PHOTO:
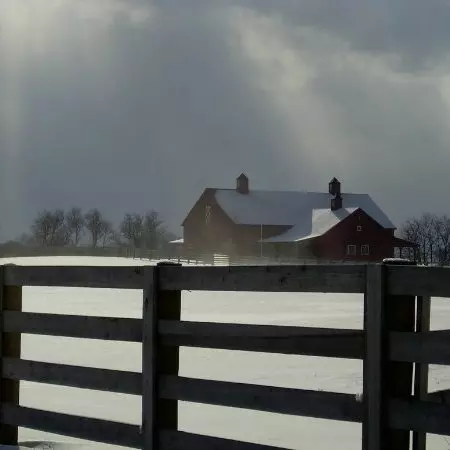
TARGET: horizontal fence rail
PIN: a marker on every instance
(427, 417)
(319, 404)
(432, 347)
(389, 346)
(346, 278)
(74, 376)
(334, 343)
(114, 277)
(75, 426)
(88, 327)
(419, 281)
(334, 279)
(178, 440)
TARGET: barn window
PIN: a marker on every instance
(365, 250)
(358, 228)
(351, 250)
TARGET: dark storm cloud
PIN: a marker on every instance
(414, 32)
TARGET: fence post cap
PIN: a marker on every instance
(399, 262)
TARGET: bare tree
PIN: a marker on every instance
(115, 238)
(131, 228)
(442, 236)
(59, 233)
(108, 233)
(75, 224)
(41, 228)
(49, 228)
(127, 229)
(431, 233)
(153, 230)
(411, 231)
(143, 231)
(96, 225)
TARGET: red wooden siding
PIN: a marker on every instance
(333, 244)
(203, 236)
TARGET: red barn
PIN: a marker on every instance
(321, 225)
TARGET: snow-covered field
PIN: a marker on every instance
(325, 310)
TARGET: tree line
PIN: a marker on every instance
(431, 233)
(74, 227)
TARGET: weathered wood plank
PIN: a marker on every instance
(326, 405)
(109, 277)
(400, 312)
(168, 307)
(149, 361)
(431, 347)
(424, 416)
(96, 430)
(11, 347)
(179, 440)
(105, 328)
(74, 376)
(423, 316)
(328, 342)
(419, 281)
(313, 278)
(374, 427)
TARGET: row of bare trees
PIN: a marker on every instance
(431, 232)
(75, 227)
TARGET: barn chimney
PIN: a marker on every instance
(242, 184)
(334, 188)
(336, 203)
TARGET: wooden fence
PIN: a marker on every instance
(394, 337)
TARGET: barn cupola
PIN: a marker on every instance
(334, 188)
(242, 184)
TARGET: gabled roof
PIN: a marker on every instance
(308, 213)
(322, 220)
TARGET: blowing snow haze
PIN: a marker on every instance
(131, 105)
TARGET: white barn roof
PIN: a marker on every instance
(308, 213)
(322, 221)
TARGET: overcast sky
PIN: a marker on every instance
(138, 104)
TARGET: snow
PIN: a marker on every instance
(322, 221)
(289, 208)
(324, 310)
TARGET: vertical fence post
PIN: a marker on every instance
(384, 379)
(168, 308)
(10, 299)
(423, 313)
(375, 418)
(400, 316)
(149, 360)
(157, 413)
